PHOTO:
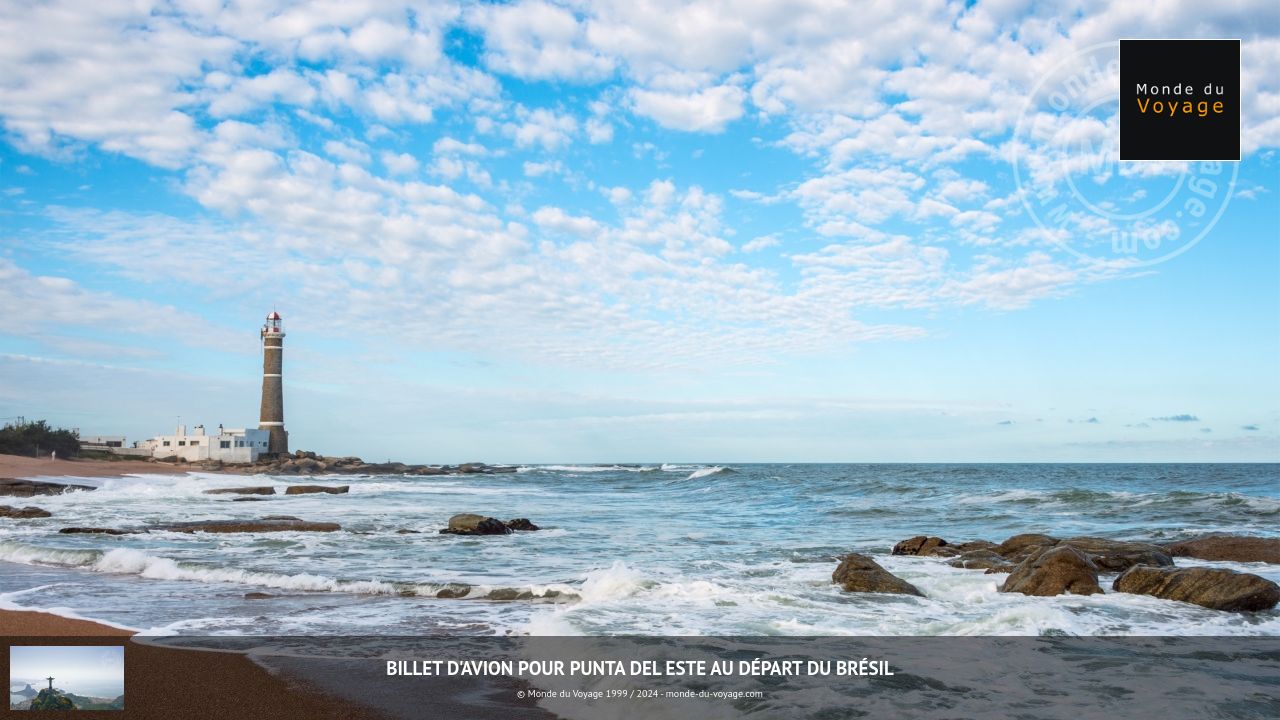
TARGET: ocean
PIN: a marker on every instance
(663, 549)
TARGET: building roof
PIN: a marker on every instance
(274, 315)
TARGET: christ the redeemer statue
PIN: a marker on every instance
(50, 679)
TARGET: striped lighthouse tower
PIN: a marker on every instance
(272, 416)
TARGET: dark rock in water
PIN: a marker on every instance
(1119, 555)
(982, 560)
(309, 489)
(95, 531)
(29, 488)
(249, 499)
(1214, 588)
(1234, 548)
(453, 592)
(975, 545)
(859, 573)
(407, 531)
(271, 523)
(1019, 547)
(1052, 572)
(509, 594)
(24, 513)
(472, 524)
(521, 524)
(923, 545)
(256, 490)
(258, 596)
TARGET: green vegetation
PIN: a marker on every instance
(37, 439)
(52, 700)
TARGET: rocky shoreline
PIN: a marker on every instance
(305, 462)
(1042, 565)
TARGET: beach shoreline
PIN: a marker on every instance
(163, 682)
(19, 467)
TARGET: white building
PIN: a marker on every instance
(239, 445)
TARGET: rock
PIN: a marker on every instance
(975, 545)
(309, 489)
(271, 523)
(859, 573)
(923, 545)
(306, 464)
(521, 524)
(27, 513)
(406, 531)
(1119, 555)
(248, 499)
(472, 524)
(1233, 548)
(300, 454)
(509, 594)
(453, 592)
(982, 560)
(29, 488)
(1214, 588)
(1054, 571)
(254, 490)
(94, 530)
(257, 596)
(429, 470)
(1019, 547)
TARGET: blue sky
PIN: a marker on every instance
(92, 670)
(641, 231)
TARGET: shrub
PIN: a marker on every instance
(38, 438)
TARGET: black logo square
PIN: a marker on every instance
(1179, 99)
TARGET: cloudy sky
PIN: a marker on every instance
(633, 231)
(93, 670)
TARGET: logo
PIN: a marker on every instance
(1082, 196)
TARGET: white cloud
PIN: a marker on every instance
(543, 127)
(347, 152)
(760, 243)
(399, 163)
(538, 40)
(707, 110)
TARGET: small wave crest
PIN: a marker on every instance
(591, 468)
(709, 471)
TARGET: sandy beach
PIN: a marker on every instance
(169, 683)
(17, 466)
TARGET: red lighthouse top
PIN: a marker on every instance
(272, 326)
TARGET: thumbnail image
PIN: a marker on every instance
(66, 677)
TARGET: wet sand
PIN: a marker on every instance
(17, 466)
(167, 683)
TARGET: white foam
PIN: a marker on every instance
(704, 472)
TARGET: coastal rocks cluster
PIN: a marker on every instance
(270, 523)
(473, 524)
(306, 462)
(23, 513)
(290, 490)
(1042, 565)
(30, 488)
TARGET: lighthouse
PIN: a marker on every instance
(272, 416)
